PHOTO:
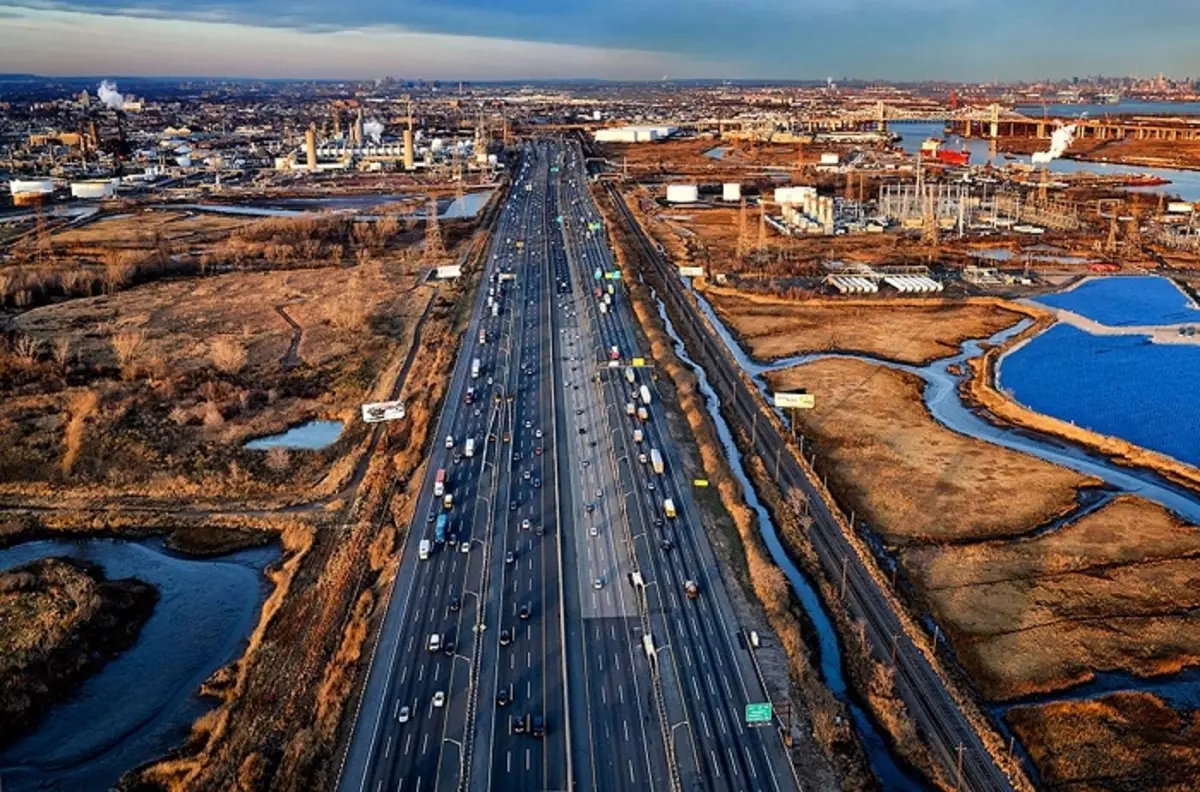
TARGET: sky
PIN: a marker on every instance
(968, 40)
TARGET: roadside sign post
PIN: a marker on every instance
(758, 714)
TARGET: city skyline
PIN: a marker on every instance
(897, 40)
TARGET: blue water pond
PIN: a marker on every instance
(1126, 302)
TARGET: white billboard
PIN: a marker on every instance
(691, 272)
(383, 411)
(795, 401)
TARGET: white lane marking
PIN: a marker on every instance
(625, 723)
(407, 744)
(526, 758)
(603, 696)
(716, 767)
(732, 763)
(421, 673)
(707, 731)
(387, 749)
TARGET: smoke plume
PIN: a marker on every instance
(110, 96)
(1060, 141)
(373, 129)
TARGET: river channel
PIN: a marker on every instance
(142, 703)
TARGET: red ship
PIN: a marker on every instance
(932, 148)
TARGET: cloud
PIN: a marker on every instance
(57, 41)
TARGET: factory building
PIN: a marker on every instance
(634, 134)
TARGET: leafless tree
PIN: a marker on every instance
(28, 348)
(278, 460)
(228, 355)
(62, 351)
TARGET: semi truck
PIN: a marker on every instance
(439, 529)
(439, 483)
(645, 394)
(656, 461)
(669, 508)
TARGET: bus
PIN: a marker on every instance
(439, 530)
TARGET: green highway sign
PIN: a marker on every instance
(758, 713)
(614, 275)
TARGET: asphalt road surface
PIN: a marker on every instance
(544, 641)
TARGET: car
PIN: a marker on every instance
(457, 457)
(434, 643)
(439, 699)
(591, 507)
(526, 475)
(538, 434)
(503, 698)
(431, 518)
(448, 648)
(667, 545)
(525, 525)
(529, 424)
(658, 522)
(512, 505)
(404, 714)
(510, 557)
(650, 486)
(450, 441)
(537, 483)
(598, 583)
(537, 451)
(539, 531)
(516, 724)
(524, 612)
(599, 493)
(578, 412)
(594, 532)
(505, 637)
(465, 547)
(582, 430)
(537, 727)
(516, 456)
(455, 604)
(478, 412)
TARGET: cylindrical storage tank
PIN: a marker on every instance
(93, 189)
(682, 193)
(731, 191)
(31, 186)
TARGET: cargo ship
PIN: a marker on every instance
(932, 148)
(1143, 180)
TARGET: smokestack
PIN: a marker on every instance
(337, 121)
(310, 147)
(408, 142)
(357, 138)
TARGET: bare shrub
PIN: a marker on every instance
(211, 414)
(82, 407)
(278, 460)
(228, 355)
(62, 351)
(28, 348)
(127, 346)
(119, 270)
(353, 310)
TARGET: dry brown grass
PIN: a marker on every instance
(175, 419)
(907, 331)
(144, 228)
(910, 478)
(1113, 591)
(1125, 741)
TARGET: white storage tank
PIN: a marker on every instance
(31, 186)
(682, 193)
(829, 158)
(731, 191)
(94, 189)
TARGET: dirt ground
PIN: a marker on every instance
(770, 329)
(1126, 741)
(687, 156)
(911, 479)
(208, 366)
(1154, 153)
(142, 228)
(1113, 591)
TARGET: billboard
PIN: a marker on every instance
(796, 401)
(383, 411)
(638, 362)
(614, 275)
(691, 272)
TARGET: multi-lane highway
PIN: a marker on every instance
(538, 635)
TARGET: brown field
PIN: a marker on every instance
(60, 620)
(1155, 153)
(913, 331)
(1113, 591)
(911, 479)
(687, 156)
(144, 227)
(1128, 742)
(155, 389)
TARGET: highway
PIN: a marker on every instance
(537, 635)
(951, 737)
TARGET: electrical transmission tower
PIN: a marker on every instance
(434, 249)
(743, 243)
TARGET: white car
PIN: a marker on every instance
(449, 441)
(598, 584)
(594, 533)
(464, 547)
(404, 715)
(439, 699)
(538, 433)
